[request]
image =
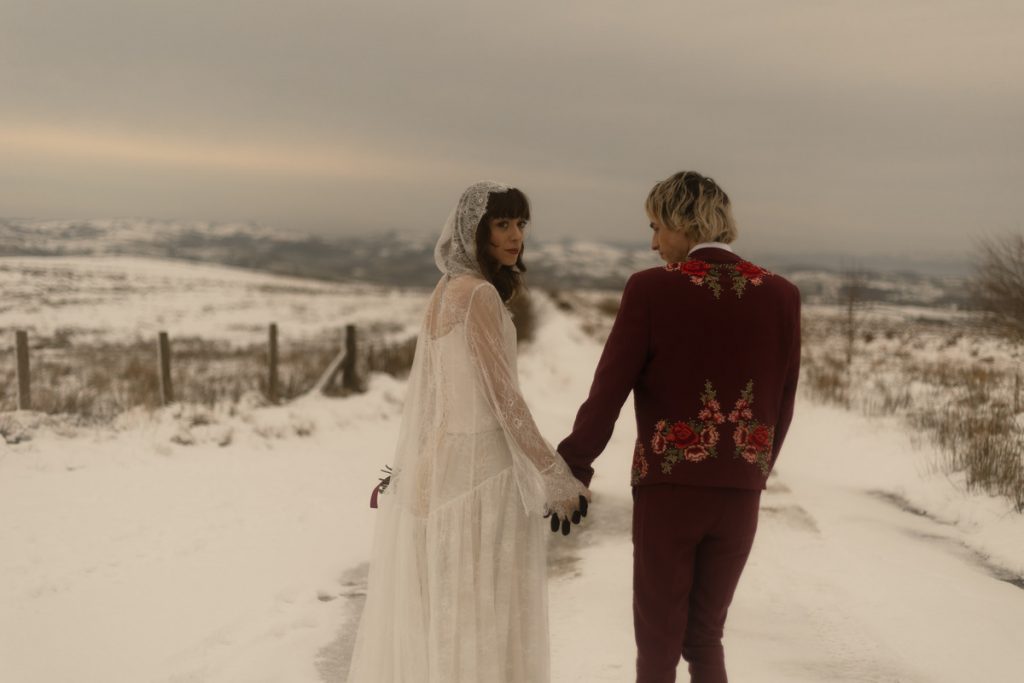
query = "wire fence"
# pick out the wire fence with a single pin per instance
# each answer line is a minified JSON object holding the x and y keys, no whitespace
{"x":99,"y":381}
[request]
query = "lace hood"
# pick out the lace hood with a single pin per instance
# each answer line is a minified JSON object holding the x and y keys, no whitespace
{"x":455,"y":253}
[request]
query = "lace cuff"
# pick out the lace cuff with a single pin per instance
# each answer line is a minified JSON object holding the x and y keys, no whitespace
{"x":563,"y":490}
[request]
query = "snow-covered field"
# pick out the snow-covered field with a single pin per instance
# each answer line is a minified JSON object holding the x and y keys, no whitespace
{"x":230,"y":546}
{"x":116,"y":298}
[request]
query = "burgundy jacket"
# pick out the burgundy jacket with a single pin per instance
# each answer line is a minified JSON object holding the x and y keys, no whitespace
{"x":710,"y":348}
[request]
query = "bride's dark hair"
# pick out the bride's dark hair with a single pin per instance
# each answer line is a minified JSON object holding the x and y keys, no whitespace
{"x":507,"y":280}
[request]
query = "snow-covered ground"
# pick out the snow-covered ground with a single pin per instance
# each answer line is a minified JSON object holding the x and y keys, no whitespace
{"x":230,"y":546}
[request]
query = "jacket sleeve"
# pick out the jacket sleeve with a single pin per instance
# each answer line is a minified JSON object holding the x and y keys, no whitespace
{"x":788,"y":400}
{"x":622,"y":361}
{"x":541,"y":475}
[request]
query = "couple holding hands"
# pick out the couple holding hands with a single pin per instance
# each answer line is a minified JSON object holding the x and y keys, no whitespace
{"x":709,"y":344}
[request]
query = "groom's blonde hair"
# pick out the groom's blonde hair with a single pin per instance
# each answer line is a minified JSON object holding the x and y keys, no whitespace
{"x":695,"y":204}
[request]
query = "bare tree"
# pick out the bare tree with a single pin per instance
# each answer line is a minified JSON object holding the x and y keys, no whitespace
{"x":997,"y":286}
{"x":852,"y":299}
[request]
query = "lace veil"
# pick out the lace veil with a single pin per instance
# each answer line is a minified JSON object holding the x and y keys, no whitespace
{"x":455,"y":253}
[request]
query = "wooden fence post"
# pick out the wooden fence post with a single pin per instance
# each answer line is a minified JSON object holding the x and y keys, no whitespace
{"x":272,"y":385}
{"x":1016,"y":392}
{"x":24,"y":387}
{"x":353,"y":371}
{"x":164,"y":358}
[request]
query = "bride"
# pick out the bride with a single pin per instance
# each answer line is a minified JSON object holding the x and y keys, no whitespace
{"x":458,"y":588}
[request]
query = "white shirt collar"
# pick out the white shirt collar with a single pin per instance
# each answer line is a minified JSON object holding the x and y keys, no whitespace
{"x":710,"y":245}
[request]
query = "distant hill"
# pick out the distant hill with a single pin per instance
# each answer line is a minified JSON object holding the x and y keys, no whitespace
{"x":406,"y":260}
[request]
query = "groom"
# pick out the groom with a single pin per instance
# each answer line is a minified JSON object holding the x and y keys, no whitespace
{"x":710,"y":347}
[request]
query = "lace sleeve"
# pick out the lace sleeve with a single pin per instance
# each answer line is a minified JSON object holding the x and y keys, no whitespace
{"x":543,"y":478}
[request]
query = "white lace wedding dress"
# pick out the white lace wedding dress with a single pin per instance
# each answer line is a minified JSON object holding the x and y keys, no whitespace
{"x":457,"y":588}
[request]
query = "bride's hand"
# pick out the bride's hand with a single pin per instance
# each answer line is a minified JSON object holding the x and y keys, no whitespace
{"x":566,"y":510}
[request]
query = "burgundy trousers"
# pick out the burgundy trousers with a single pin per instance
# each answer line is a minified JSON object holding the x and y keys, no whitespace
{"x":690,"y":545}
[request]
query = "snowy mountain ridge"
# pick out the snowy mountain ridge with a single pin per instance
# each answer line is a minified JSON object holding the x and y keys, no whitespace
{"x":405,"y":259}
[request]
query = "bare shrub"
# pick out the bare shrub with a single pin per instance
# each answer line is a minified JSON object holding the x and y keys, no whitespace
{"x":524,"y":316}
{"x":560,"y":300}
{"x":394,"y":359}
{"x":987,"y":445}
{"x":8,"y":383}
{"x":997,"y":286}
{"x":975,"y":428}
{"x":94,"y":382}
{"x":888,"y":398}
{"x":609,"y":306}
{"x":974,"y":379}
{"x":825,"y":379}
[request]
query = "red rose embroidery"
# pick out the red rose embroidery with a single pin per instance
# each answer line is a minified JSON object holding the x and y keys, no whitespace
{"x":739,"y":436}
{"x":750,"y":271}
{"x":704,"y":274}
{"x":760,"y":438}
{"x":695,"y":453}
{"x":753,"y":439}
{"x":697,"y":440}
{"x":658,"y":444}
{"x":640,"y":466}
{"x":695,"y":268}
{"x":682,"y":435}
{"x":690,"y":441}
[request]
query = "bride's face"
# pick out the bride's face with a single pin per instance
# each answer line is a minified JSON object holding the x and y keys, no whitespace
{"x":506,"y":239}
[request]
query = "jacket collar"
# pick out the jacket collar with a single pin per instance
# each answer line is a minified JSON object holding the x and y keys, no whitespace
{"x":714,"y":252}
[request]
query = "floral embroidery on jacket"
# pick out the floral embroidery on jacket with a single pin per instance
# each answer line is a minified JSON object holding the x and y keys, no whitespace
{"x":753,"y":440}
{"x":696,"y":440}
{"x":693,"y":440}
{"x":702,"y":273}
{"x":640,"y":466}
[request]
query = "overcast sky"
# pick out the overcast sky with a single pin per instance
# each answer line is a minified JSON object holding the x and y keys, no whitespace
{"x":859,"y":126}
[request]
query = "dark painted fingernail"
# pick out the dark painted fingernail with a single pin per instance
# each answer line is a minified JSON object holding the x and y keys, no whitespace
{"x":554,"y":523}
{"x":576,"y":517}
{"x":584,"y":504}
{"x":565,"y":527}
